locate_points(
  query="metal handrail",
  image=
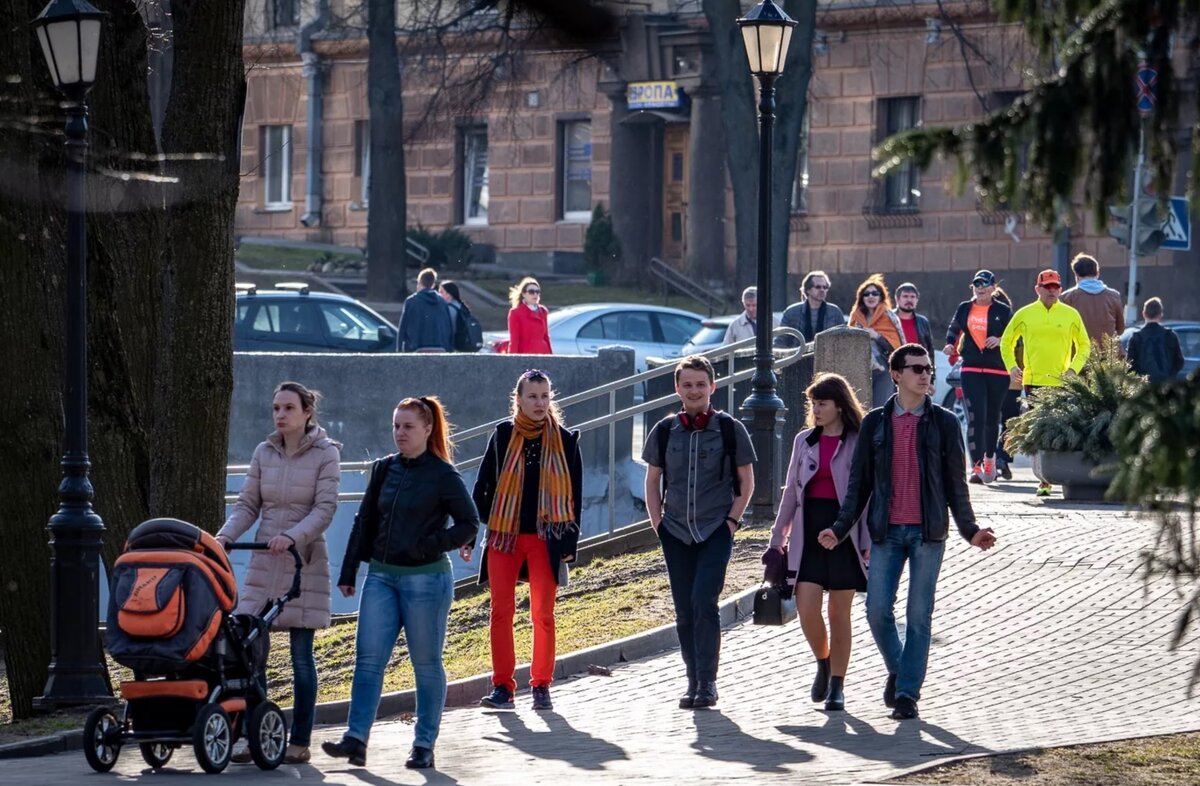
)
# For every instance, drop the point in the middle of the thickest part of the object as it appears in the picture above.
(726, 352)
(685, 286)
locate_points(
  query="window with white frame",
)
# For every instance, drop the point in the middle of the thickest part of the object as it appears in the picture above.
(474, 168)
(576, 166)
(277, 165)
(284, 13)
(362, 159)
(800, 184)
(901, 189)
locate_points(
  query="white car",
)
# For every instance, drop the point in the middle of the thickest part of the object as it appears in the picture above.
(651, 331)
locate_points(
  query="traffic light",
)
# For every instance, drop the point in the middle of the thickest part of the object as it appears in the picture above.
(1149, 231)
(1118, 223)
(1149, 234)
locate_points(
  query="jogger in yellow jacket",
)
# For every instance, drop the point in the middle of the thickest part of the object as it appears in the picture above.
(1055, 339)
(1056, 342)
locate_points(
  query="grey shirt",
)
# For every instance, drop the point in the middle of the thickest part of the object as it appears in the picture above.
(699, 485)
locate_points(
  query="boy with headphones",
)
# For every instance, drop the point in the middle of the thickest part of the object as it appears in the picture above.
(695, 496)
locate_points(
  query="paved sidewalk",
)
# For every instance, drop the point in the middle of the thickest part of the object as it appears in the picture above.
(1048, 639)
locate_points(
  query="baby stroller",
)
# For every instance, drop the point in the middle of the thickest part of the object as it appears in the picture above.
(196, 665)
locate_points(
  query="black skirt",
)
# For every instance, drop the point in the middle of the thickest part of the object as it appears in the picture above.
(838, 569)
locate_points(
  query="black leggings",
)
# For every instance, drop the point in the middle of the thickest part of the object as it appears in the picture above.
(1009, 410)
(983, 395)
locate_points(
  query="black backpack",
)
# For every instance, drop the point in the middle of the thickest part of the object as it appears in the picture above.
(728, 444)
(468, 333)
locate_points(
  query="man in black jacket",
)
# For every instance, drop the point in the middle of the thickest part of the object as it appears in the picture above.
(1154, 350)
(908, 464)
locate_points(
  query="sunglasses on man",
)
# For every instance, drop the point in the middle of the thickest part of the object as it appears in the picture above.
(920, 368)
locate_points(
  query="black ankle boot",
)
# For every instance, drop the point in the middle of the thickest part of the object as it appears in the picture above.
(821, 683)
(835, 700)
(706, 695)
(348, 748)
(688, 700)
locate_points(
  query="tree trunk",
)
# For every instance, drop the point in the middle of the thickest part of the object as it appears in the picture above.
(387, 191)
(739, 99)
(160, 266)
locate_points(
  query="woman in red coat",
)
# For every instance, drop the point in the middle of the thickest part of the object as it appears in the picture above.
(528, 331)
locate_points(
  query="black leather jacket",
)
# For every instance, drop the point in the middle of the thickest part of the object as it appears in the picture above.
(942, 468)
(410, 529)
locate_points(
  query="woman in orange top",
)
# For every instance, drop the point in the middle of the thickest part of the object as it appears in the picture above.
(873, 312)
(528, 329)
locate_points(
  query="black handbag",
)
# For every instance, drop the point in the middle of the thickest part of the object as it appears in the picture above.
(774, 605)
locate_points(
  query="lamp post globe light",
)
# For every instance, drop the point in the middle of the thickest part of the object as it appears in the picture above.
(69, 34)
(767, 33)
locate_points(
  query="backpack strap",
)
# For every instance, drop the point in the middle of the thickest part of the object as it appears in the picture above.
(729, 445)
(663, 432)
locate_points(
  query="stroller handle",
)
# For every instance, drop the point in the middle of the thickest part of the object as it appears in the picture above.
(294, 592)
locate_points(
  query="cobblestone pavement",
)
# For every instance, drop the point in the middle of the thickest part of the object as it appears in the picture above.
(1049, 639)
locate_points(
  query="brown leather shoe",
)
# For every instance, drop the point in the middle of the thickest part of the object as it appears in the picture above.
(296, 755)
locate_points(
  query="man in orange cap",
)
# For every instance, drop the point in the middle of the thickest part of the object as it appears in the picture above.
(1056, 342)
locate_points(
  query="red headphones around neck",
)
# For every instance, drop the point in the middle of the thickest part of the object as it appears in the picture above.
(697, 423)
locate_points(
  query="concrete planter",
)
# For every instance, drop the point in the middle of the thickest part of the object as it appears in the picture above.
(1075, 473)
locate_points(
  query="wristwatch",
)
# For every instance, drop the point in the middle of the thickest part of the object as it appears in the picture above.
(737, 523)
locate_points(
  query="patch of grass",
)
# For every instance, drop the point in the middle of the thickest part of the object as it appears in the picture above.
(283, 258)
(1154, 761)
(607, 599)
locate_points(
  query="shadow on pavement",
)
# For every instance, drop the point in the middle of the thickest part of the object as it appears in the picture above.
(561, 741)
(432, 777)
(718, 737)
(908, 743)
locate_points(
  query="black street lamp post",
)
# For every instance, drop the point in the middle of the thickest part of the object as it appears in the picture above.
(69, 33)
(767, 33)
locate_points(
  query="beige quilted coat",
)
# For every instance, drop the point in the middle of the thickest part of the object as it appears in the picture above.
(297, 496)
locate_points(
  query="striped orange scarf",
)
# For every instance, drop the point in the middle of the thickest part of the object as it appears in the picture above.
(555, 511)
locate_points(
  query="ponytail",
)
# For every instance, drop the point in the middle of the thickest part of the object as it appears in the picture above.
(434, 415)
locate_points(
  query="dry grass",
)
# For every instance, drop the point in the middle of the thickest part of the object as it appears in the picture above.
(1173, 760)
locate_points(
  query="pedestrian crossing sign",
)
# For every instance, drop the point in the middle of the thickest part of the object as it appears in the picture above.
(1177, 226)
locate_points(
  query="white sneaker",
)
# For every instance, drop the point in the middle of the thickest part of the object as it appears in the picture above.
(241, 752)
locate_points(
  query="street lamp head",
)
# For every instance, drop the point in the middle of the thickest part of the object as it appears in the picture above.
(767, 32)
(69, 32)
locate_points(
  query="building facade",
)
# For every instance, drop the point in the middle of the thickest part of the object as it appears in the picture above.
(640, 131)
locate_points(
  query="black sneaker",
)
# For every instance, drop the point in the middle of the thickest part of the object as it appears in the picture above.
(906, 708)
(541, 698)
(500, 698)
(889, 692)
(348, 748)
(1003, 470)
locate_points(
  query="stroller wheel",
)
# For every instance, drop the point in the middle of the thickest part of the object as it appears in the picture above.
(156, 754)
(101, 739)
(266, 734)
(212, 738)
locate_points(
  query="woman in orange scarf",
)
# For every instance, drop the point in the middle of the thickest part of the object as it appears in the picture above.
(529, 494)
(873, 312)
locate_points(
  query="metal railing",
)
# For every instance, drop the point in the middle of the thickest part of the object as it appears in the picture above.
(615, 415)
(416, 249)
(672, 278)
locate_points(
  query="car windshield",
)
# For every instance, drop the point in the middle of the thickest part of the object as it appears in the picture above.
(709, 333)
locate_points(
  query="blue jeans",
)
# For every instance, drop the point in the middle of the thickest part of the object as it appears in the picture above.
(304, 685)
(906, 660)
(697, 575)
(421, 605)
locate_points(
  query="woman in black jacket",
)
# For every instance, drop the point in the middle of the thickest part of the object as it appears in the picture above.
(980, 323)
(402, 531)
(529, 493)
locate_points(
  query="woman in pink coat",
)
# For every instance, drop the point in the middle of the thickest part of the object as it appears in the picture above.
(292, 486)
(816, 486)
(528, 329)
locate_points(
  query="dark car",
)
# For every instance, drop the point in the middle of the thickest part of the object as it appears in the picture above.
(1189, 341)
(290, 318)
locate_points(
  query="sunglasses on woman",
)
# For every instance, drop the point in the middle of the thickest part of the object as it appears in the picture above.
(872, 293)
(533, 291)
(535, 375)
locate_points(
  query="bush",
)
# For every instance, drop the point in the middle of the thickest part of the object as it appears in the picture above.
(447, 249)
(1078, 416)
(601, 248)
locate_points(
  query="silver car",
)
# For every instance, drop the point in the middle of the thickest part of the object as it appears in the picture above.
(651, 331)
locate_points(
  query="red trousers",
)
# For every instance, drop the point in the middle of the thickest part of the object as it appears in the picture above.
(503, 571)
